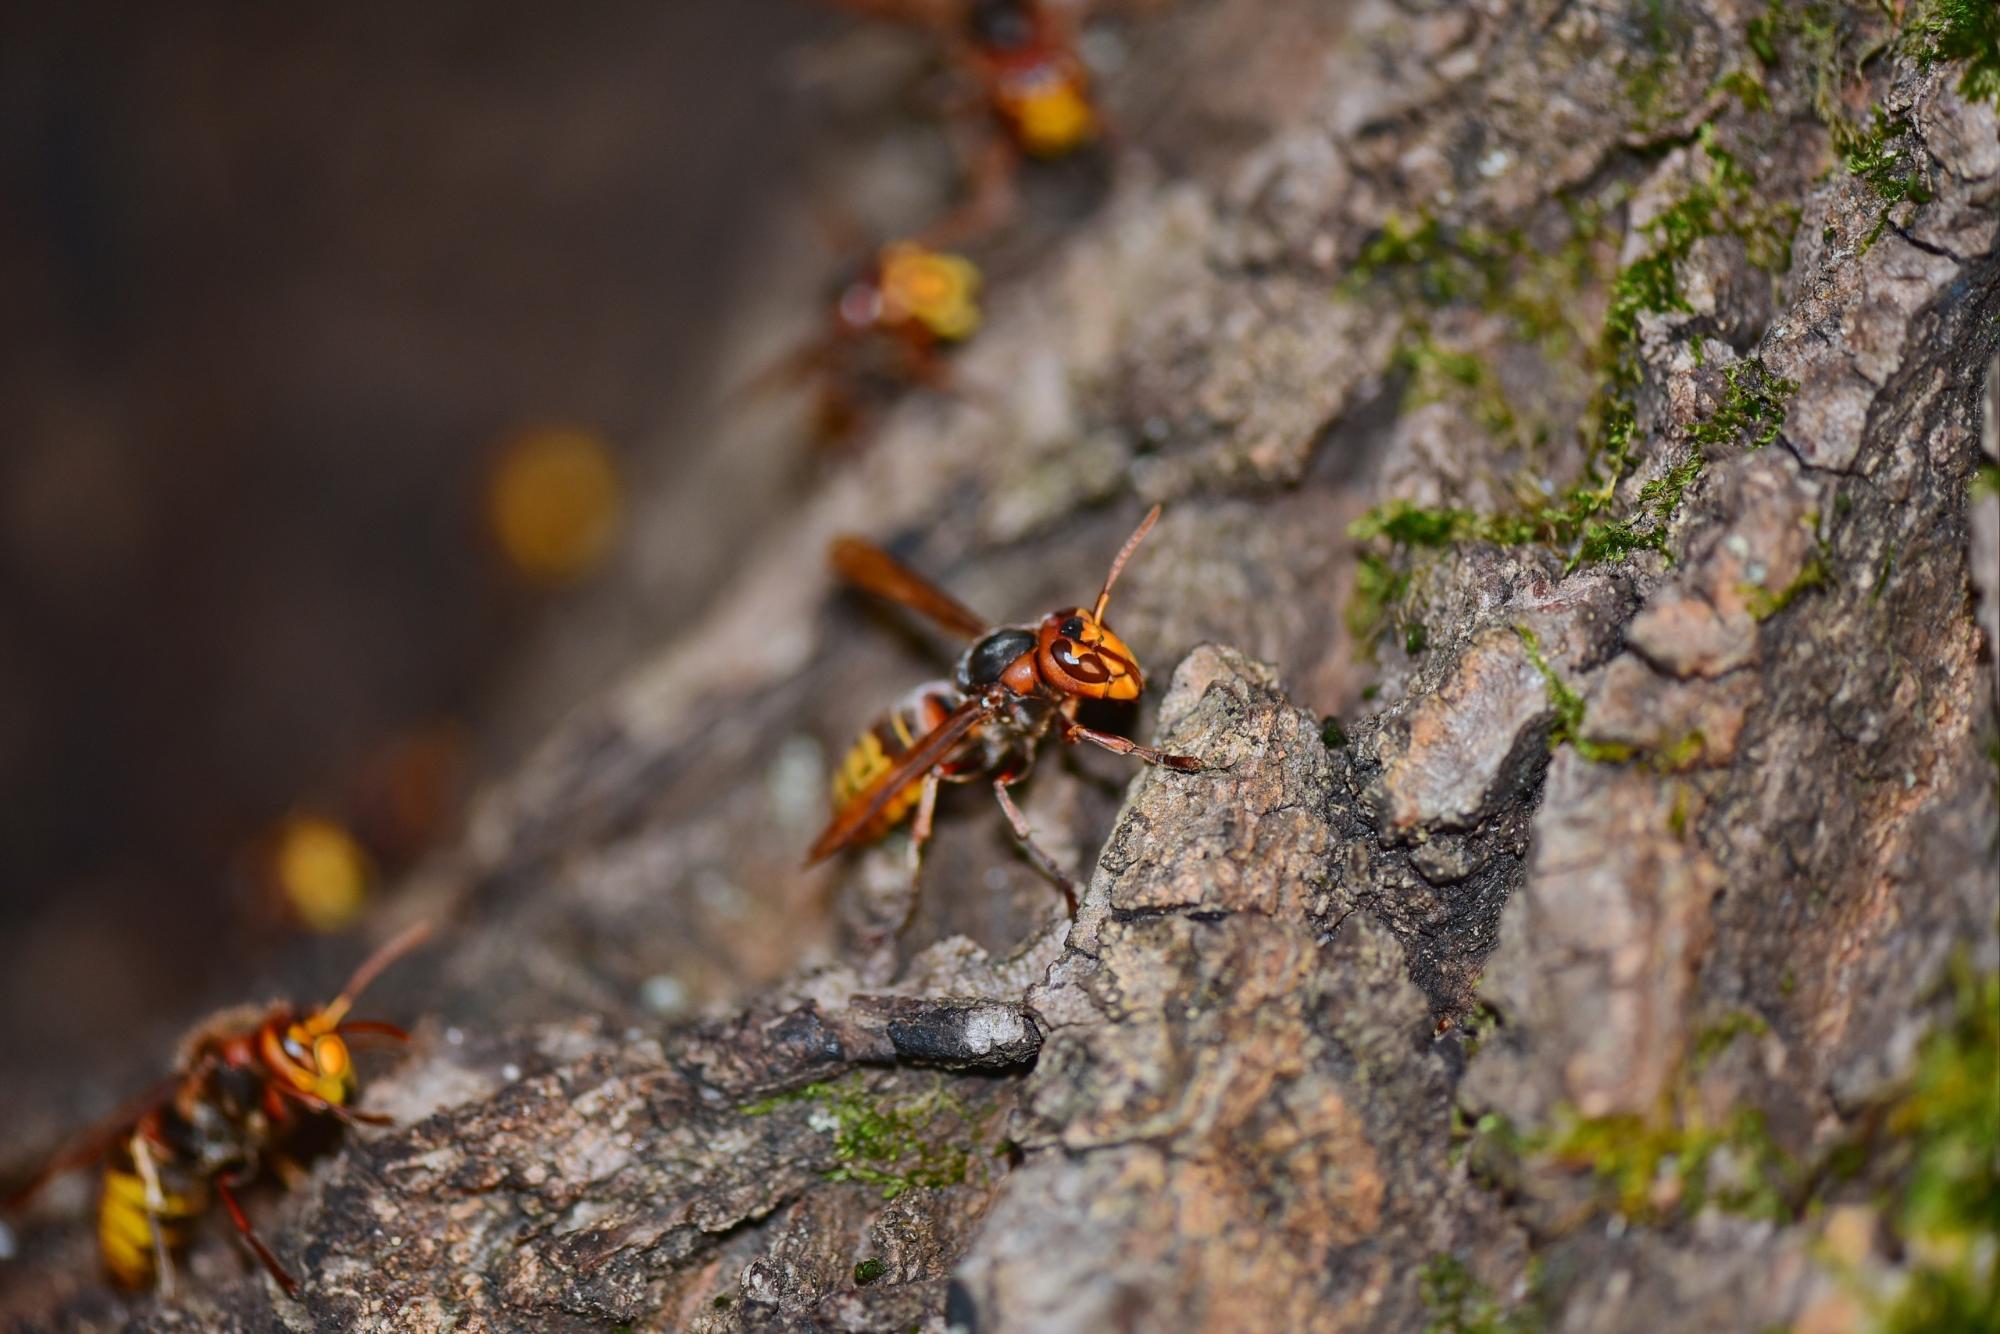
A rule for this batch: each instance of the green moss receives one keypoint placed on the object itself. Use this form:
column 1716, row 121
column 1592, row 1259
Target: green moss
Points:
column 1662, row 496
column 1580, row 521
column 1412, row 246
column 1656, row 1169
column 1721, row 200
column 1648, row 79
column 1410, row 525
column 1986, row 482
column 1568, row 522
column 1670, row 1165
column 1881, row 157
column 1439, row 374
column 1966, row 31
column 1754, row 403
column 1948, row 1214
column 1379, row 589
column 1834, row 42
column 1825, row 42
column 1610, row 540
column 1415, row 638
column 1762, row 33
column 1939, row 1302
column 1943, row 1145
column 1331, row 734
column 1460, row 1135
column 1678, row 813
column 1569, row 709
column 1886, row 157
column 890, row 1142
column 1477, row 1026
column 1882, row 573
column 1672, row 757
column 1717, row 1037
column 1458, row 1303
column 1764, row 604
column 1677, row 755
column 1747, row 87
column 1952, row 1120
column 1534, row 287
column 868, row 1271
column 1493, row 1151
column 1565, row 701
column 1432, row 362
column 1437, row 266
column 1649, row 283
column 1432, row 264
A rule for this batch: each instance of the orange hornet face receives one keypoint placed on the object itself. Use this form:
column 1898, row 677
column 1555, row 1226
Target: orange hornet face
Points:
column 312, row 1056
column 1079, row 656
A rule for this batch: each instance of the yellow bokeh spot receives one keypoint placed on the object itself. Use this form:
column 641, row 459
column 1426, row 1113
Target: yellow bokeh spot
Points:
column 321, row 871
column 937, row 290
column 553, row 503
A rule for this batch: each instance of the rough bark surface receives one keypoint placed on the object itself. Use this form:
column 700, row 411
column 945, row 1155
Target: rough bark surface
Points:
column 1579, row 982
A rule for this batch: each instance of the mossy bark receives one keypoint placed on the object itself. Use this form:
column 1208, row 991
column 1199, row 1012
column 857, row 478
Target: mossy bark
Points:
column 1581, row 981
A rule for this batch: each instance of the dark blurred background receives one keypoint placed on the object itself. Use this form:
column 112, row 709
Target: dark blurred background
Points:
column 283, row 286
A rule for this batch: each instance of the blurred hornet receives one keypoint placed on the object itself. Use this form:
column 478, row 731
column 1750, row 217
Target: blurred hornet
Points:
column 892, row 321
column 1023, row 54
column 1010, row 688
column 1033, row 88
column 251, row 1084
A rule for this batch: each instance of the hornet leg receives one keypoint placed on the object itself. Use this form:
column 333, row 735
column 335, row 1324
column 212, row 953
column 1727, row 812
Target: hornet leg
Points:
column 1043, row 862
column 225, row 1191
column 920, row 834
column 992, row 165
column 156, row 1213
column 1124, row 745
column 345, row 1115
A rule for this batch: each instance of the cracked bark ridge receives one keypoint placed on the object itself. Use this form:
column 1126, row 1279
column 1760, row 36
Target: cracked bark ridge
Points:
column 1225, row 1126
column 1434, row 796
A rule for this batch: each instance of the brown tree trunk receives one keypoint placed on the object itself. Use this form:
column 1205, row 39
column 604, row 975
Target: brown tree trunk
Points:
column 1595, row 972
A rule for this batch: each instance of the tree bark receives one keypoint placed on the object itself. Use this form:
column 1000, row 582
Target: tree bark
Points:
column 1584, row 977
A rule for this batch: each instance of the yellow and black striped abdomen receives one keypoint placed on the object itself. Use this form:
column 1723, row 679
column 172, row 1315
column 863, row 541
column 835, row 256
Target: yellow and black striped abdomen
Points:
column 878, row 749
column 126, row 1222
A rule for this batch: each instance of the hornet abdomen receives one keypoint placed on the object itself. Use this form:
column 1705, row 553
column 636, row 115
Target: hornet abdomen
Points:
column 130, row 1213
column 876, row 751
